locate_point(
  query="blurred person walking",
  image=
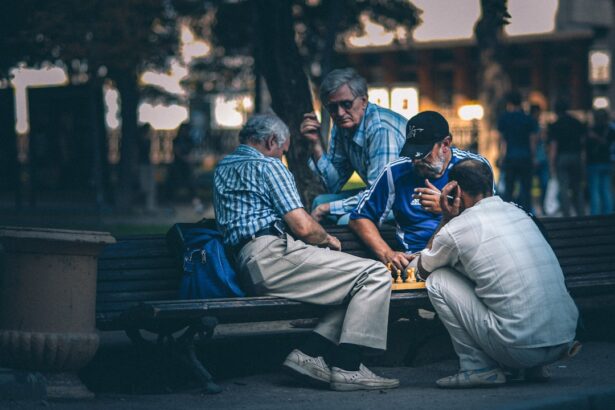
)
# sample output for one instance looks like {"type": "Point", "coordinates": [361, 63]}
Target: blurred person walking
{"type": "Point", "coordinates": [566, 138]}
{"type": "Point", "coordinates": [541, 158]}
{"type": "Point", "coordinates": [517, 146]}
{"type": "Point", "coordinates": [599, 169]}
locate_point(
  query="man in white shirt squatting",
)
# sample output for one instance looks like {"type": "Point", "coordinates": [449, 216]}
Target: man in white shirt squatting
{"type": "Point", "coordinates": [496, 285]}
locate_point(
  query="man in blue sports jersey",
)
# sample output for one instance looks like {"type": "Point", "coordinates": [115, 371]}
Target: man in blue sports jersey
{"type": "Point", "coordinates": [410, 188]}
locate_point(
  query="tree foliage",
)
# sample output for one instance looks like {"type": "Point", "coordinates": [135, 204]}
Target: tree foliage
{"type": "Point", "coordinates": [288, 40]}
{"type": "Point", "coordinates": [116, 39]}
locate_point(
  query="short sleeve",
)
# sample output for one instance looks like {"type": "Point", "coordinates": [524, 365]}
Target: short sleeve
{"type": "Point", "coordinates": [282, 189]}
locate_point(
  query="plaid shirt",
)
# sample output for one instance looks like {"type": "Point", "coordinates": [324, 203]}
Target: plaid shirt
{"type": "Point", "coordinates": [376, 142]}
{"type": "Point", "coordinates": [251, 191]}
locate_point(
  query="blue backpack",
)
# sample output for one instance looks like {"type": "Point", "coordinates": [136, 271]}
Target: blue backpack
{"type": "Point", "coordinates": [207, 271]}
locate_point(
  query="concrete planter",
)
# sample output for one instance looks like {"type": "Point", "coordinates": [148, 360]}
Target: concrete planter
{"type": "Point", "coordinates": [48, 298]}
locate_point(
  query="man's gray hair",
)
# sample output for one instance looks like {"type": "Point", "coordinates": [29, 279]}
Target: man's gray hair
{"type": "Point", "coordinates": [343, 76]}
{"type": "Point", "coordinates": [259, 127]}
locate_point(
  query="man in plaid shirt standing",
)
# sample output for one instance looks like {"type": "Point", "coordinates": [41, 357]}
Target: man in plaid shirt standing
{"type": "Point", "coordinates": [364, 138]}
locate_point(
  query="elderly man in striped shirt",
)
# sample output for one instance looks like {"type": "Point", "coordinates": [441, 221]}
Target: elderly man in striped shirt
{"type": "Point", "coordinates": [364, 138]}
{"type": "Point", "coordinates": [281, 251]}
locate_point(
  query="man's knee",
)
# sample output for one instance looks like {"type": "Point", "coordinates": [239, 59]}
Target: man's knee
{"type": "Point", "coordinates": [434, 281]}
{"type": "Point", "coordinates": [380, 274]}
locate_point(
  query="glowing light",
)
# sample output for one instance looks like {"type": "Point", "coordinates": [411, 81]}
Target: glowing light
{"type": "Point", "coordinates": [112, 107]}
{"type": "Point", "coordinates": [471, 112]}
{"type": "Point", "coordinates": [162, 117]}
{"type": "Point", "coordinates": [531, 17]}
{"type": "Point", "coordinates": [454, 20]}
{"type": "Point", "coordinates": [29, 77]}
{"type": "Point", "coordinates": [601, 103]}
{"type": "Point", "coordinates": [379, 96]}
{"type": "Point", "coordinates": [191, 47]}
{"type": "Point", "coordinates": [446, 20]}
{"type": "Point", "coordinates": [375, 35]}
{"type": "Point", "coordinates": [231, 111]}
{"type": "Point", "coordinates": [405, 101]}
{"type": "Point", "coordinates": [599, 67]}
{"type": "Point", "coordinates": [169, 81]}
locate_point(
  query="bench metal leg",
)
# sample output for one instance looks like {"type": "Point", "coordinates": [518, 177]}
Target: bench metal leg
{"type": "Point", "coordinates": [184, 349]}
{"type": "Point", "coordinates": [187, 352]}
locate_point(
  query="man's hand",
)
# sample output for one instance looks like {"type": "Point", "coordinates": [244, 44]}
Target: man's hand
{"type": "Point", "coordinates": [333, 243]}
{"type": "Point", "coordinates": [429, 197]}
{"type": "Point", "coordinates": [398, 260]}
{"type": "Point", "coordinates": [310, 128]}
{"type": "Point", "coordinates": [449, 211]}
{"type": "Point", "coordinates": [321, 211]}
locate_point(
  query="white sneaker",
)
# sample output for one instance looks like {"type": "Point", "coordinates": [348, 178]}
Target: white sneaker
{"type": "Point", "coordinates": [363, 379]}
{"type": "Point", "coordinates": [312, 367]}
{"type": "Point", "coordinates": [473, 378]}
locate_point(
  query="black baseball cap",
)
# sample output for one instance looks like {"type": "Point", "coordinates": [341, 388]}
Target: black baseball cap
{"type": "Point", "coordinates": [423, 131]}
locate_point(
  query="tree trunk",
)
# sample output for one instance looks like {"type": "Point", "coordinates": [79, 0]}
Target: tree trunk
{"type": "Point", "coordinates": [281, 66]}
{"type": "Point", "coordinates": [494, 81]}
{"type": "Point", "coordinates": [334, 11]}
{"type": "Point", "coordinates": [126, 82]}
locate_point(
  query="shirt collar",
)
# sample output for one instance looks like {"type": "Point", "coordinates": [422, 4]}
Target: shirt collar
{"type": "Point", "coordinates": [249, 151]}
{"type": "Point", "coordinates": [488, 200]}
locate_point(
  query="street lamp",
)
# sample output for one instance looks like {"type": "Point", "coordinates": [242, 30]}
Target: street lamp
{"type": "Point", "coordinates": [474, 113]}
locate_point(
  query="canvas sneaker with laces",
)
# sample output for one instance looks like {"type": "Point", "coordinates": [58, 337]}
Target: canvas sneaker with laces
{"type": "Point", "coordinates": [314, 368]}
{"type": "Point", "coordinates": [362, 379]}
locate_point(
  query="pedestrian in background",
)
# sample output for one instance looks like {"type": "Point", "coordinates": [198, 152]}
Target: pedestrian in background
{"type": "Point", "coordinates": [599, 168]}
{"type": "Point", "coordinates": [566, 142]}
{"type": "Point", "coordinates": [541, 159]}
{"type": "Point", "coordinates": [517, 146]}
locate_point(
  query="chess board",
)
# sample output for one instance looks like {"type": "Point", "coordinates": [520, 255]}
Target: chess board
{"type": "Point", "coordinates": [404, 280]}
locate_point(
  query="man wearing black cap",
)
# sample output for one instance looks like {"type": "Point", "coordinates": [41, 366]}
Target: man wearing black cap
{"type": "Point", "coordinates": [410, 188]}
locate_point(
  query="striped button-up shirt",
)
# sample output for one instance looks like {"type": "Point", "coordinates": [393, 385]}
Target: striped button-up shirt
{"type": "Point", "coordinates": [251, 191]}
{"type": "Point", "coordinates": [377, 141]}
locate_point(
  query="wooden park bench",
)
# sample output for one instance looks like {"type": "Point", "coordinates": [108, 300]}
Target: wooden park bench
{"type": "Point", "coordinates": [138, 287]}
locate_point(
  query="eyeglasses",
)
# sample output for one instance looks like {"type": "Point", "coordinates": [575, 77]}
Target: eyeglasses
{"type": "Point", "coordinates": [332, 107]}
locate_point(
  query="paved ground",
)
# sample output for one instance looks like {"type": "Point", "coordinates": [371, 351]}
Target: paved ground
{"type": "Point", "coordinates": [590, 373]}
{"type": "Point", "coordinates": [247, 368]}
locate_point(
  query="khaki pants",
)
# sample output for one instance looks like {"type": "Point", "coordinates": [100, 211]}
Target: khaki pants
{"type": "Point", "coordinates": [465, 317]}
{"type": "Point", "coordinates": [358, 290]}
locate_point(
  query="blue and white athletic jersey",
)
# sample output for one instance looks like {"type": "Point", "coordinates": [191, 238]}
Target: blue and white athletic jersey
{"type": "Point", "coordinates": [251, 191]}
{"type": "Point", "coordinates": [393, 191]}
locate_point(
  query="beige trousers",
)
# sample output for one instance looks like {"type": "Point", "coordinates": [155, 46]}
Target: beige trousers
{"type": "Point", "coordinates": [358, 290]}
{"type": "Point", "coordinates": [465, 317]}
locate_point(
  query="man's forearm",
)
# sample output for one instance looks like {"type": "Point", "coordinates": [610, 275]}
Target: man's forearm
{"type": "Point", "coordinates": [443, 222]}
{"type": "Point", "coordinates": [317, 151]}
{"type": "Point", "coordinates": [369, 234]}
{"type": "Point", "coordinates": [304, 227]}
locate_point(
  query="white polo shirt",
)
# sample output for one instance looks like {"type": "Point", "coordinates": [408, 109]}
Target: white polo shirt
{"type": "Point", "coordinates": [516, 274]}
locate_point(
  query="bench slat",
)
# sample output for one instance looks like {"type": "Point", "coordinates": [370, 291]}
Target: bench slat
{"type": "Point", "coordinates": [136, 274]}
{"type": "Point", "coordinates": [138, 296]}
{"type": "Point", "coordinates": [138, 285]}
{"type": "Point", "coordinates": [123, 263]}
